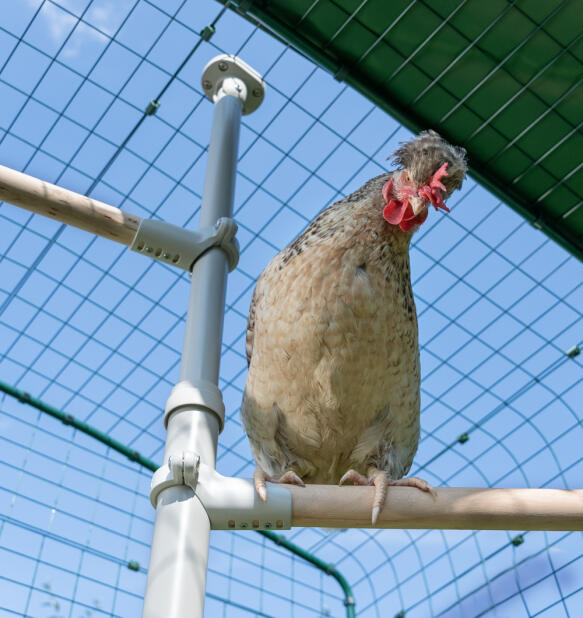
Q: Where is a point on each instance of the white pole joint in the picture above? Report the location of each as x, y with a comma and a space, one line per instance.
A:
230, 503
181, 247
199, 394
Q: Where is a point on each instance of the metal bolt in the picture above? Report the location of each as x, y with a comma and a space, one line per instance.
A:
243, 525
256, 92
268, 524
149, 249
223, 66
207, 84
166, 256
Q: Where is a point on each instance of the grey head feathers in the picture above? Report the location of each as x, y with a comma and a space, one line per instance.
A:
425, 154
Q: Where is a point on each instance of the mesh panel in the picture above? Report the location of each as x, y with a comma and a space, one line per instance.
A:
97, 331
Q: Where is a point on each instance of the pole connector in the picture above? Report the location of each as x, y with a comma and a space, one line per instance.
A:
176, 246
231, 503
229, 75
199, 394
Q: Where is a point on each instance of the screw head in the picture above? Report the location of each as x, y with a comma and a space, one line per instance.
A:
256, 92
243, 525
223, 66
207, 84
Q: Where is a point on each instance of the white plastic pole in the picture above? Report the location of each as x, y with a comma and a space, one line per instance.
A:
178, 561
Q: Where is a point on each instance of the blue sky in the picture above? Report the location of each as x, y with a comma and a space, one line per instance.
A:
96, 330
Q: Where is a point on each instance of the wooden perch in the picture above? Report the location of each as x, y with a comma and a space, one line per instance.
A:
67, 206
452, 508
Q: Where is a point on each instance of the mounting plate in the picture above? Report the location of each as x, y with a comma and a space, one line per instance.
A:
224, 66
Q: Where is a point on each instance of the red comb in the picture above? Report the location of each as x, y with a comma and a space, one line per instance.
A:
432, 191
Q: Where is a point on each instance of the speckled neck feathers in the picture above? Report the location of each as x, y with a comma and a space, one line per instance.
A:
354, 223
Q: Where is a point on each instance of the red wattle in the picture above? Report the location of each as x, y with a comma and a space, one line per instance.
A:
387, 190
394, 211
407, 224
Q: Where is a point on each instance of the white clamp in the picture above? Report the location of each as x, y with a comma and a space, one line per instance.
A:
179, 247
230, 503
201, 394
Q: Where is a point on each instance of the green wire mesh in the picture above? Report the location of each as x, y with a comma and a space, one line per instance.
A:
97, 332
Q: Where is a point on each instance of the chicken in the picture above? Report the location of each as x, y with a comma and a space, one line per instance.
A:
332, 393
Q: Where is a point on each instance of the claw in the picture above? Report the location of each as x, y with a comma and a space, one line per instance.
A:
354, 477
413, 481
380, 482
291, 478
378, 479
259, 478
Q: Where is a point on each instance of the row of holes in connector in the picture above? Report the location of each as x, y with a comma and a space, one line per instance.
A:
255, 524
158, 252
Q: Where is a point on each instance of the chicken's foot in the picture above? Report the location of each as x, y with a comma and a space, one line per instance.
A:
381, 481
260, 477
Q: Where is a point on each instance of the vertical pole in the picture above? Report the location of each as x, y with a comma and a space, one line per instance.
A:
176, 581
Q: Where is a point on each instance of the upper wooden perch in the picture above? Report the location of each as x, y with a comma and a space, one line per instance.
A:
452, 508
67, 206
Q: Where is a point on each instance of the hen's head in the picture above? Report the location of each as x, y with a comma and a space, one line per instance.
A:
429, 171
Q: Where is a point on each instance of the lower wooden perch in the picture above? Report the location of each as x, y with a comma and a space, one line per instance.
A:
452, 508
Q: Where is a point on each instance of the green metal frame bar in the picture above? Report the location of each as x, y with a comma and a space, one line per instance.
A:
68, 419
258, 16
328, 568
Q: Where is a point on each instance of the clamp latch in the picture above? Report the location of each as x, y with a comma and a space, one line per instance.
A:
182, 470
231, 503
176, 246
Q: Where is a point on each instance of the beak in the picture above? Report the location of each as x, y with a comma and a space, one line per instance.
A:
418, 204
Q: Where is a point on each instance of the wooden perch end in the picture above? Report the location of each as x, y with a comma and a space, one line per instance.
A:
67, 206
451, 508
